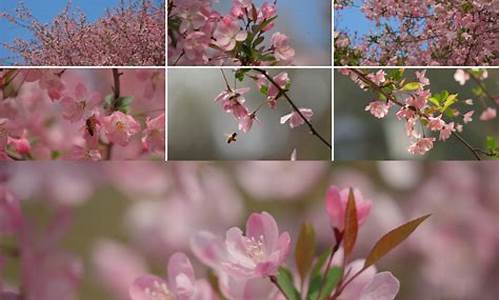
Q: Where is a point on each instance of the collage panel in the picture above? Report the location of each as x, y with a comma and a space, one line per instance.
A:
249, 114
416, 113
100, 233
249, 33
416, 33
82, 33
82, 114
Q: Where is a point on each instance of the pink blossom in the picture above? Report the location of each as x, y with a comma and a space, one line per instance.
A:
180, 284
461, 76
435, 123
336, 203
369, 284
154, 134
488, 114
422, 78
245, 123
446, 131
377, 78
21, 145
232, 102
283, 51
468, 117
228, 33
378, 109
294, 118
266, 12
76, 106
236, 288
119, 128
421, 146
257, 253
283, 81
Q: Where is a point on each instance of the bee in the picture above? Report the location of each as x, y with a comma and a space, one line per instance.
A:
232, 138
90, 125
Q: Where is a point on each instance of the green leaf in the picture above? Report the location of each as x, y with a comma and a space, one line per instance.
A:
316, 275
285, 281
240, 74
332, 278
55, 154
264, 90
450, 100
492, 145
391, 240
304, 250
411, 86
350, 224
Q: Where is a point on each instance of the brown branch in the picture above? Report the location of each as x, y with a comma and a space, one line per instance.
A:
295, 108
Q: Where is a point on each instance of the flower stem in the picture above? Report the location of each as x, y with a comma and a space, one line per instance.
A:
274, 280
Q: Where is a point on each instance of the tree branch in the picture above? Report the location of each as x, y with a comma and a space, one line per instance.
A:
295, 108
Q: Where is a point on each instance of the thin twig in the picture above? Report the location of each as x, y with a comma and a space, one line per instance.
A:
295, 108
274, 280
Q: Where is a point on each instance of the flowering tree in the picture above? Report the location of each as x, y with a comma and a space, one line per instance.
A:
200, 35
132, 34
426, 114
273, 89
65, 114
454, 33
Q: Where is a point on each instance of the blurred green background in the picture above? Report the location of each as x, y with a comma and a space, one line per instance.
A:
359, 135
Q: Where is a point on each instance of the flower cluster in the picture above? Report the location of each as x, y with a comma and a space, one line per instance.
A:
423, 112
61, 114
273, 88
421, 33
200, 35
251, 264
132, 34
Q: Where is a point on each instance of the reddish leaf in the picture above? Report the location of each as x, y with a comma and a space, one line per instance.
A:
304, 250
392, 239
350, 225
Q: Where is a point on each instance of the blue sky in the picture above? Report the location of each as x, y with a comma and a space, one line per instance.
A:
45, 10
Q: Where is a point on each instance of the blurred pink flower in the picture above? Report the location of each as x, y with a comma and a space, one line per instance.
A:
116, 267
461, 76
80, 103
488, 114
257, 253
468, 117
369, 284
234, 288
180, 284
336, 203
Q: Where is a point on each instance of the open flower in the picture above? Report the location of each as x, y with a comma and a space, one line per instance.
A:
282, 49
120, 127
232, 102
461, 76
227, 33
421, 146
257, 253
181, 283
295, 120
378, 109
336, 203
369, 284
154, 134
